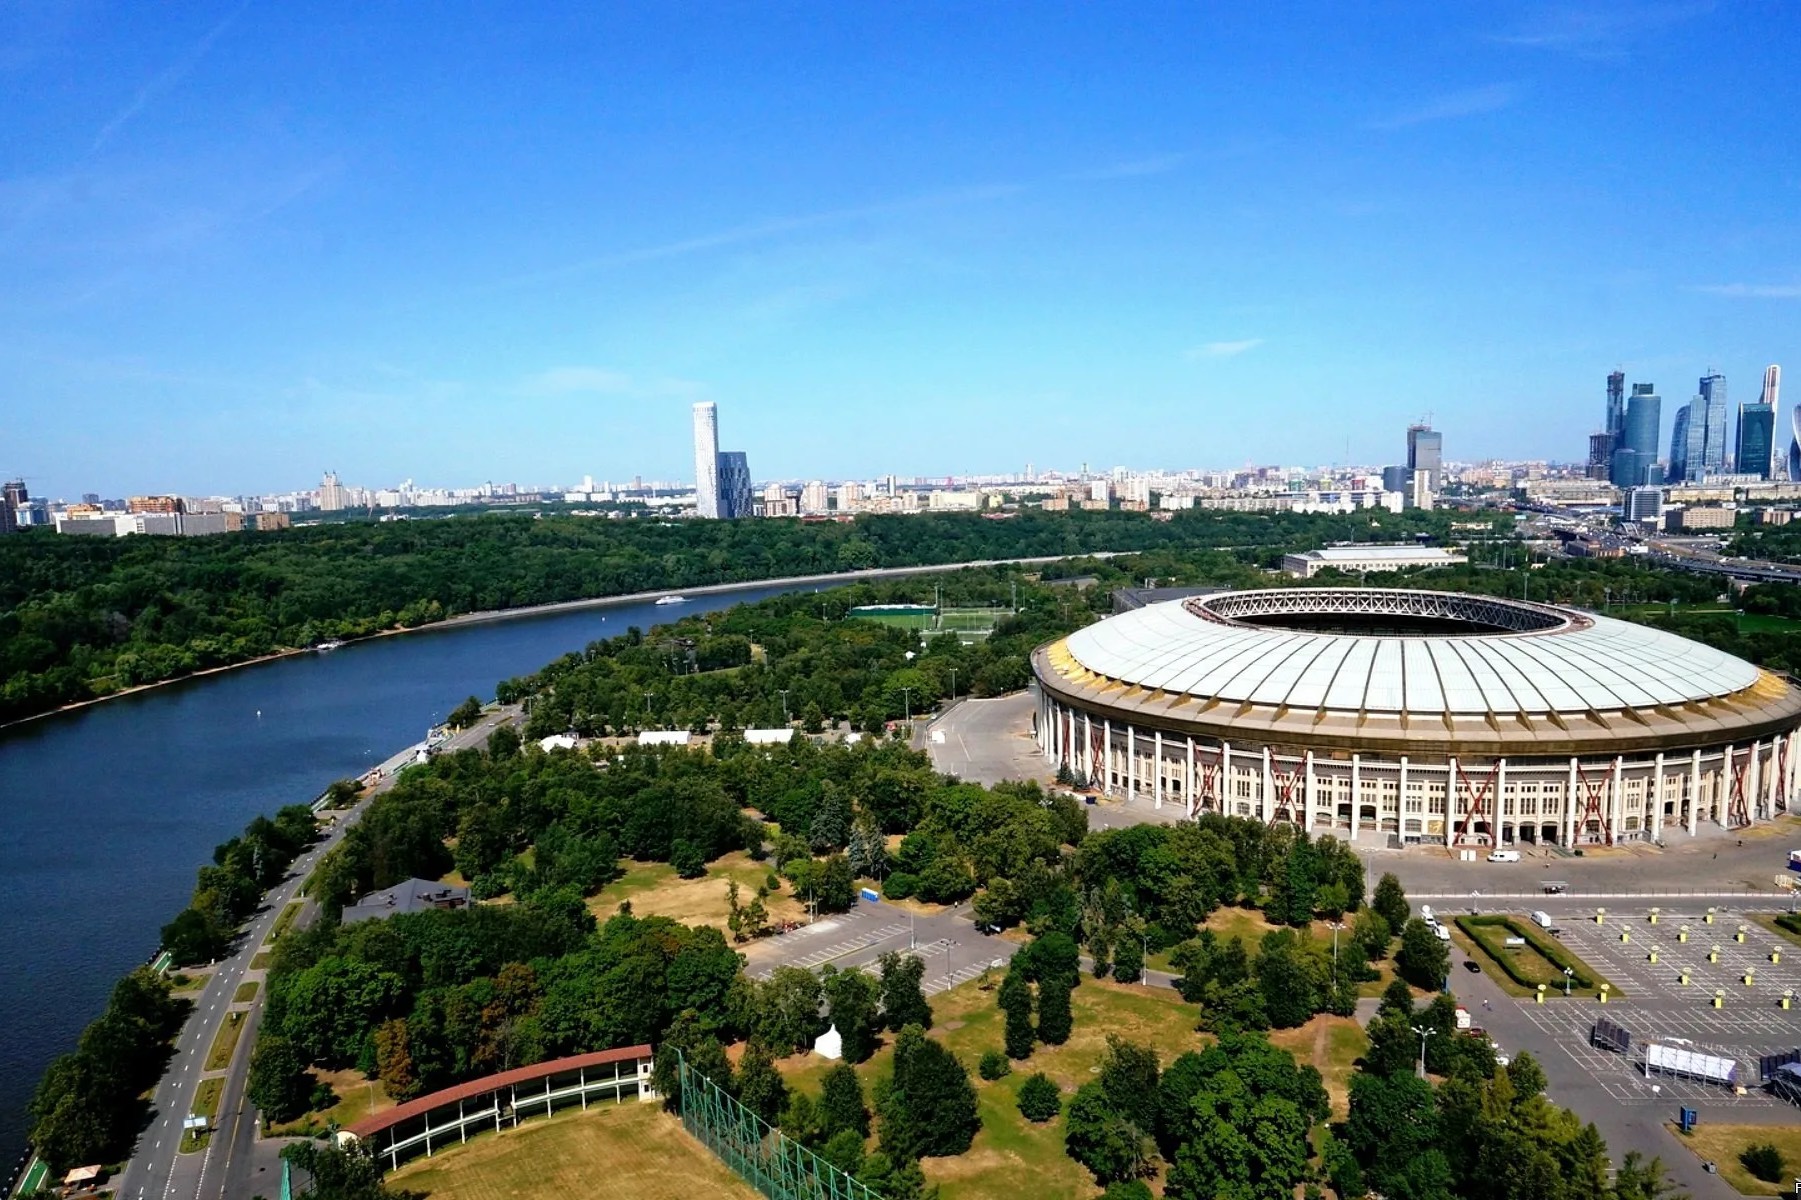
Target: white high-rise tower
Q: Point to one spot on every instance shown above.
(706, 459)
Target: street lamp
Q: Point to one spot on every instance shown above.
(1425, 1032)
(648, 697)
(953, 685)
(1335, 927)
(1568, 974)
(907, 704)
(784, 692)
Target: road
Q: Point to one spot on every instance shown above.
(237, 1163)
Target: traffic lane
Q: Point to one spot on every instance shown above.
(1711, 861)
(987, 741)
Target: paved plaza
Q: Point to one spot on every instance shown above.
(947, 942)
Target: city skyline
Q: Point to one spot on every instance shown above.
(939, 237)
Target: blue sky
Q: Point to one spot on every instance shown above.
(241, 242)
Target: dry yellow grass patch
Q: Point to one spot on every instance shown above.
(357, 1098)
(624, 1151)
(1333, 1045)
(655, 890)
(1724, 1143)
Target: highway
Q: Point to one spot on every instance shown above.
(237, 1163)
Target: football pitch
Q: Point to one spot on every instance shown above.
(967, 624)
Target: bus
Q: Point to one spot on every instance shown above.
(1794, 860)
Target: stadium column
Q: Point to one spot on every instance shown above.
(1269, 789)
(1131, 764)
(1572, 805)
(1656, 799)
(1308, 796)
(1106, 756)
(1694, 791)
(1157, 768)
(1450, 801)
(1794, 749)
(1087, 747)
(1356, 792)
(1188, 786)
(1223, 788)
(1401, 803)
(1616, 799)
(1753, 777)
(1497, 797)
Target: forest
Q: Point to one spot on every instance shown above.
(87, 617)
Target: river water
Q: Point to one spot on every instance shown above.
(106, 812)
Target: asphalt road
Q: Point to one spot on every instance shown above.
(237, 1163)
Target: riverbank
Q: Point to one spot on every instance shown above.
(564, 606)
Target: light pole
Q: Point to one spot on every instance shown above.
(1424, 1032)
(907, 704)
(648, 697)
(1336, 926)
(953, 685)
(1568, 974)
(785, 717)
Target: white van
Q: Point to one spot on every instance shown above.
(1440, 932)
(1504, 856)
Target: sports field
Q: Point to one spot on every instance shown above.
(627, 1151)
(968, 624)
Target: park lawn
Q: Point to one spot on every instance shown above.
(1722, 1144)
(626, 1151)
(260, 961)
(655, 890)
(288, 913)
(1011, 1156)
(246, 992)
(357, 1097)
(1333, 1045)
(225, 1042)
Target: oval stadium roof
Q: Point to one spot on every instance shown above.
(1466, 655)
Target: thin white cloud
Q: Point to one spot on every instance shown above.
(1596, 31)
(1224, 349)
(1471, 102)
(1137, 168)
(1754, 291)
(166, 79)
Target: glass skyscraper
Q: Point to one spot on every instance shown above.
(1635, 458)
(1756, 440)
(1425, 452)
(734, 485)
(1713, 404)
(706, 459)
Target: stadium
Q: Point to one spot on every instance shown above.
(1421, 716)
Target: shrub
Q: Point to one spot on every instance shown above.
(1039, 1099)
(1763, 1161)
(899, 886)
(994, 1065)
(1483, 930)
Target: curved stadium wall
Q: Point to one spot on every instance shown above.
(1426, 716)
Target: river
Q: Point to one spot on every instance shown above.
(110, 809)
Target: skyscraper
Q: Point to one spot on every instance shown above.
(13, 497)
(331, 493)
(1756, 438)
(706, 459)
(1425, 453)
(1616, 405)
(735, 498)
(1635, 455)
(1713, 404)
(1679, 436)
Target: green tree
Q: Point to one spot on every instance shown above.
(853, 1002)
(760, 1085)
(279, 1084)
(1371, 934)
(1390, 902)
(903, 998)
(1103, 1140)
(930, 1106)
(1039, 1098)
(831, 825)
(837, 888)
(465, 714)
(841, 1105)
(1422, 959)
(1015, 998)
(1055, 1019)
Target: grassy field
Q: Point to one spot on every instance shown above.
(357, 1098)
(655, 890)
(1011, 1156)
(260, 961)
(625, 1152)
(285, 919)
(246, 992)
(1767, 921)
(225, 1043)
(1722, 1144)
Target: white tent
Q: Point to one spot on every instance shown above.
(830, 1044)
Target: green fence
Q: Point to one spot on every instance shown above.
(765, 1158)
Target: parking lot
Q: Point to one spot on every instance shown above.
(1658, 1006)
(952, 950)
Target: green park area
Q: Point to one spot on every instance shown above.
(1520, 956)
(225, 1043)
(1726, 1146)
(624, 1152)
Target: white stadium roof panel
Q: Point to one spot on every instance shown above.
(1557, 661)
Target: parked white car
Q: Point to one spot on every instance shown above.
(1504, 856)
